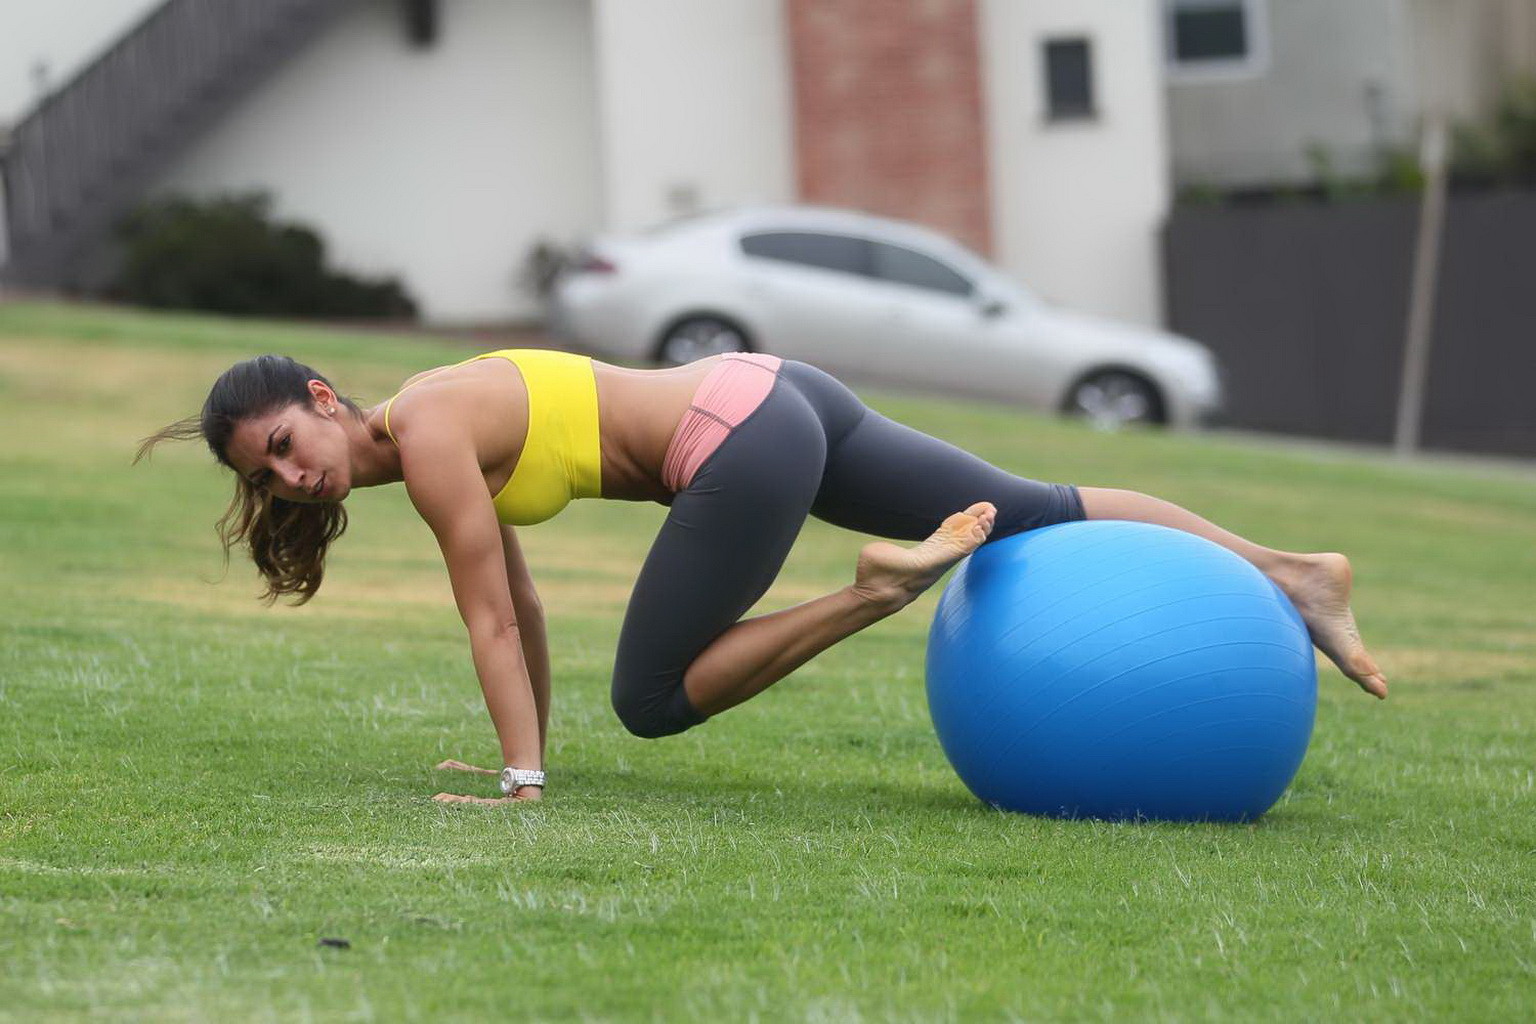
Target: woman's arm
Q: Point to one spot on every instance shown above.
(530, 626)
(443, 477)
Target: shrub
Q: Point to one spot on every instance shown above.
(1502, 149)
(225, 255)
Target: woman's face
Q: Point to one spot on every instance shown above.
(297, 453)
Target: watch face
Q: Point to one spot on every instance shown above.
(506, 782)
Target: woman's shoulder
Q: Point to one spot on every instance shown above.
(452, 398)
(417, 378)
(399, 405)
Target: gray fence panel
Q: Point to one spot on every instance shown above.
(1482, 371)
(1306, 306)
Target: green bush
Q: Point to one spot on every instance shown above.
(1498, 151)
(225, 255)
(1502, 149)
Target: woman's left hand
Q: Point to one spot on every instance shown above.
(460, 766)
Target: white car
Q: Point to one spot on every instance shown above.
(871, 299)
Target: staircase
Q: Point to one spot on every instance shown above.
(89, 151)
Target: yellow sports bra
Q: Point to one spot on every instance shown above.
(562, 456)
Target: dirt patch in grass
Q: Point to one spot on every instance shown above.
(121, 378)
(89, 373)
(1449, 667)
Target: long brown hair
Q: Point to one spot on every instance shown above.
(287, 539)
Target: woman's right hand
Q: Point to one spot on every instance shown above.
(523, 795)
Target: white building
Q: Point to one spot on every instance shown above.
(445, 157)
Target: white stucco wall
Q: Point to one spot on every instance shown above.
(694, 105)
(1466, 52)
(58, 37)
(1078, 205)
(441, 165)
(1339, 76)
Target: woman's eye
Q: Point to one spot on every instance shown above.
(282, 446)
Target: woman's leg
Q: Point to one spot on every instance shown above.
(755, 653)
(722, 545)
(874, 476)
(1317, 584)
(885, 478)
(683, 655)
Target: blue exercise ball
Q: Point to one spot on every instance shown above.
(1119, 670)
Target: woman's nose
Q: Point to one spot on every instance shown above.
(293, 478)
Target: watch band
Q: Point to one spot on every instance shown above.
(512, 778)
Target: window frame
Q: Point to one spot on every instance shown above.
(1254, 64)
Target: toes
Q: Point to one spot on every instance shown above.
(1362, 669)
(1375, 685)
(958, 521)
(974, 522)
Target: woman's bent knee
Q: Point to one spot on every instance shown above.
(653, 714)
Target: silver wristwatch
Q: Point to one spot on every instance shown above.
(511, 778)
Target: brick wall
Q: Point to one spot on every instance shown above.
(888, 115)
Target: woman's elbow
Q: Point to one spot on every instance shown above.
(494, 628)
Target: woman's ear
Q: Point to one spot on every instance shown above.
(325, 398)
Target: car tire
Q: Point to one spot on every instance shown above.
(1115, 399)
(696, 337)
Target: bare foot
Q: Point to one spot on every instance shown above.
(1319, 585)
(889, 574)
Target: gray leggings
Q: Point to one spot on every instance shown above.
(811, 448)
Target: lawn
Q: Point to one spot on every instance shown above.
(195, 790)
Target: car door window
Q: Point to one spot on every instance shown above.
(903, 266)
(811, 249)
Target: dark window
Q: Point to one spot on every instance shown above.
(1068, 79)
(903, 266)
(1204, 30)
(421, 22)
(811, 249)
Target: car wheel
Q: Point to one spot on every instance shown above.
(1112, 399)
(700, 336)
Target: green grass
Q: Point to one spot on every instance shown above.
(194, 789)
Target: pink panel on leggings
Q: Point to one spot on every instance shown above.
(728, 395)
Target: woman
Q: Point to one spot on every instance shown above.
(741, 447)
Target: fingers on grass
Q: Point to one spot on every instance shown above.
(460, 766)
(460, 798)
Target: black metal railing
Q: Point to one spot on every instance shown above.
(87, 152)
